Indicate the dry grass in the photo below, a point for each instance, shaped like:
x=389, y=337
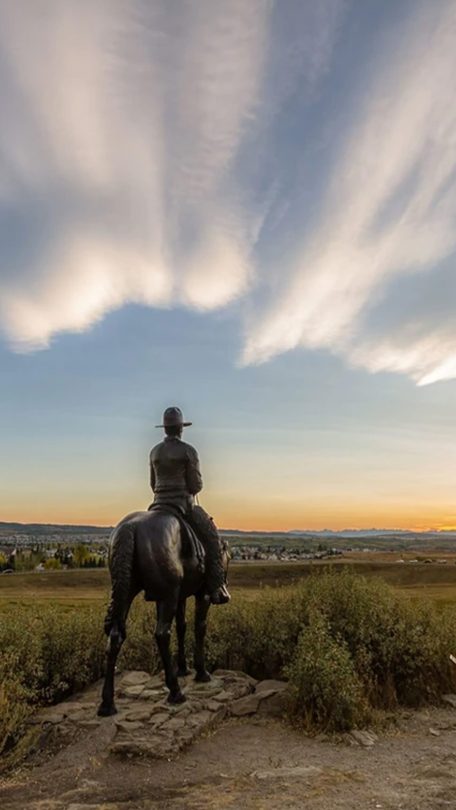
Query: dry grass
x=415, y=580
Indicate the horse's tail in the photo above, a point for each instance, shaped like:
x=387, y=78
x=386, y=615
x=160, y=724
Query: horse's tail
x=121, y=555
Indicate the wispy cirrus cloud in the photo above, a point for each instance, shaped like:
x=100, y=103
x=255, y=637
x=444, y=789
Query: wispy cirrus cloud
x=390, y=212
x=170, y=155
x=124, y=131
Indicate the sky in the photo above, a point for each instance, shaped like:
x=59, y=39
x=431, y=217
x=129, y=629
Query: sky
x=247, y=209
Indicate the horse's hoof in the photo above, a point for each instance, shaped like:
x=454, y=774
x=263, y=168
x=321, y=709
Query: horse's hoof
x=202, y=677
x=182, y=672
x=177, y=697
x=106, y=711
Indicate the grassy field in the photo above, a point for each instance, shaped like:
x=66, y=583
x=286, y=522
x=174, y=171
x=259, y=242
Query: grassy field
x=350, y=645
x=435, y=581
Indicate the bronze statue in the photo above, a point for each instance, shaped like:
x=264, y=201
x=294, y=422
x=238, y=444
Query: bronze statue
x=159, y=553
x=175, y=478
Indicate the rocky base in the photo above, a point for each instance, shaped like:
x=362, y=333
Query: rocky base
x=146, y=725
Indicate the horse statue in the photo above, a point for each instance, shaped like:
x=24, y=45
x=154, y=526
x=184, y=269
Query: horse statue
x=149, y=552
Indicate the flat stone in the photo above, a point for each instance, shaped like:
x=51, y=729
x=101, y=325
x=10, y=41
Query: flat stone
x=229, y=675
x=139, y=715
x=82, y=714
x=52, y=715
x=74, y=707
x=157, y=719
x=195, y=705
x=450, y=699
x=245, y=705
x=266, y=693
x=175, y=723
x=127, y=726
x=435, y=732
x=199, y=719
x=222, y=697
x=271, y=686
x=157, y=748
x=133, y=691
x=154, y=694
x=201, y=689
x=181, y=708
x=89, y=723
x=135, y=678
x=214, y=705
x=365, y=738
x=159, y=708
x=298, y=772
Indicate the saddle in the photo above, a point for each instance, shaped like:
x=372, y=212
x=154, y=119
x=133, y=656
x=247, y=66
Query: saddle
x=191, y=544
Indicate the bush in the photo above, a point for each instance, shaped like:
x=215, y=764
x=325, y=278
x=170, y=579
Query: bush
x=44, y=657
x=325, y=690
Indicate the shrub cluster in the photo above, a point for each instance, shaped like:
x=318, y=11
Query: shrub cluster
x=347, y=645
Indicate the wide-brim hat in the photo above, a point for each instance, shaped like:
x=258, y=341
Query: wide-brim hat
x=173, y=417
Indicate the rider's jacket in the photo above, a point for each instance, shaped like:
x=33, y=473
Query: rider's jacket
x=175, y=474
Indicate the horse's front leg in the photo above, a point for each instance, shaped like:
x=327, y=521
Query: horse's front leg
x=181, y=627
x=201, y=608
x=166, y=611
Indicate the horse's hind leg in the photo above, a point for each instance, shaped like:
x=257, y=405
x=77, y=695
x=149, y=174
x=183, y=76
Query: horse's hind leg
x=116, y=638
x=201, y=608
x=166, y=611
x=181, y=627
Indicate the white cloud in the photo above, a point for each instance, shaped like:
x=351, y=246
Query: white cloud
x=390, y=211
x=122, y=124
x=149, y=151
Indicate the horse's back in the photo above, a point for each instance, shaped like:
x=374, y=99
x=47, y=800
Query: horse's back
x=158, y=566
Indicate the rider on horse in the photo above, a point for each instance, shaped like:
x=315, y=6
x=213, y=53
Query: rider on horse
x=175, y=478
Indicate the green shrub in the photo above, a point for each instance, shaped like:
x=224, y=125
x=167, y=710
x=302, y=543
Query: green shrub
x=45, y=656
x=325, y=690
x=140, y=650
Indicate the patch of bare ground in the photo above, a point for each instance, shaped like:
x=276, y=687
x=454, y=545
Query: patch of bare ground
x=250, y=763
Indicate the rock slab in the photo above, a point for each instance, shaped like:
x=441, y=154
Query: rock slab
x=147, y=725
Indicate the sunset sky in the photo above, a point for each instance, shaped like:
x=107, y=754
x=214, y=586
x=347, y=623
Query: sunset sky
x=246, y=208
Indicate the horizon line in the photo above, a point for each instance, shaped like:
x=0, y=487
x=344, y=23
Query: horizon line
x=326, y=530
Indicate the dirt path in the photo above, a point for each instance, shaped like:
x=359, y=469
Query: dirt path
x=250, y=764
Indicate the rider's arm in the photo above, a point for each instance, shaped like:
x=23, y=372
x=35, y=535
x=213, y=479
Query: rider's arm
x=193, y=472
x=152, y=474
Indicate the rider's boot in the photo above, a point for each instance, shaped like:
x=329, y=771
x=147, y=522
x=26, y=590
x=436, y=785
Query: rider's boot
x=215, y=572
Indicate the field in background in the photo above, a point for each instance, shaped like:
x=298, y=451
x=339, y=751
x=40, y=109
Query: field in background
x=434, y=580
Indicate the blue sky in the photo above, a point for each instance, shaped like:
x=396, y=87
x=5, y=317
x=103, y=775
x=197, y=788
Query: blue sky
x=247, y=209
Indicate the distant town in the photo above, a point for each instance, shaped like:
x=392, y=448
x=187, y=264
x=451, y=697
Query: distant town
x=42, y=547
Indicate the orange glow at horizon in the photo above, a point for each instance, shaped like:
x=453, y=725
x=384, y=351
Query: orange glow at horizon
x=268, y=519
